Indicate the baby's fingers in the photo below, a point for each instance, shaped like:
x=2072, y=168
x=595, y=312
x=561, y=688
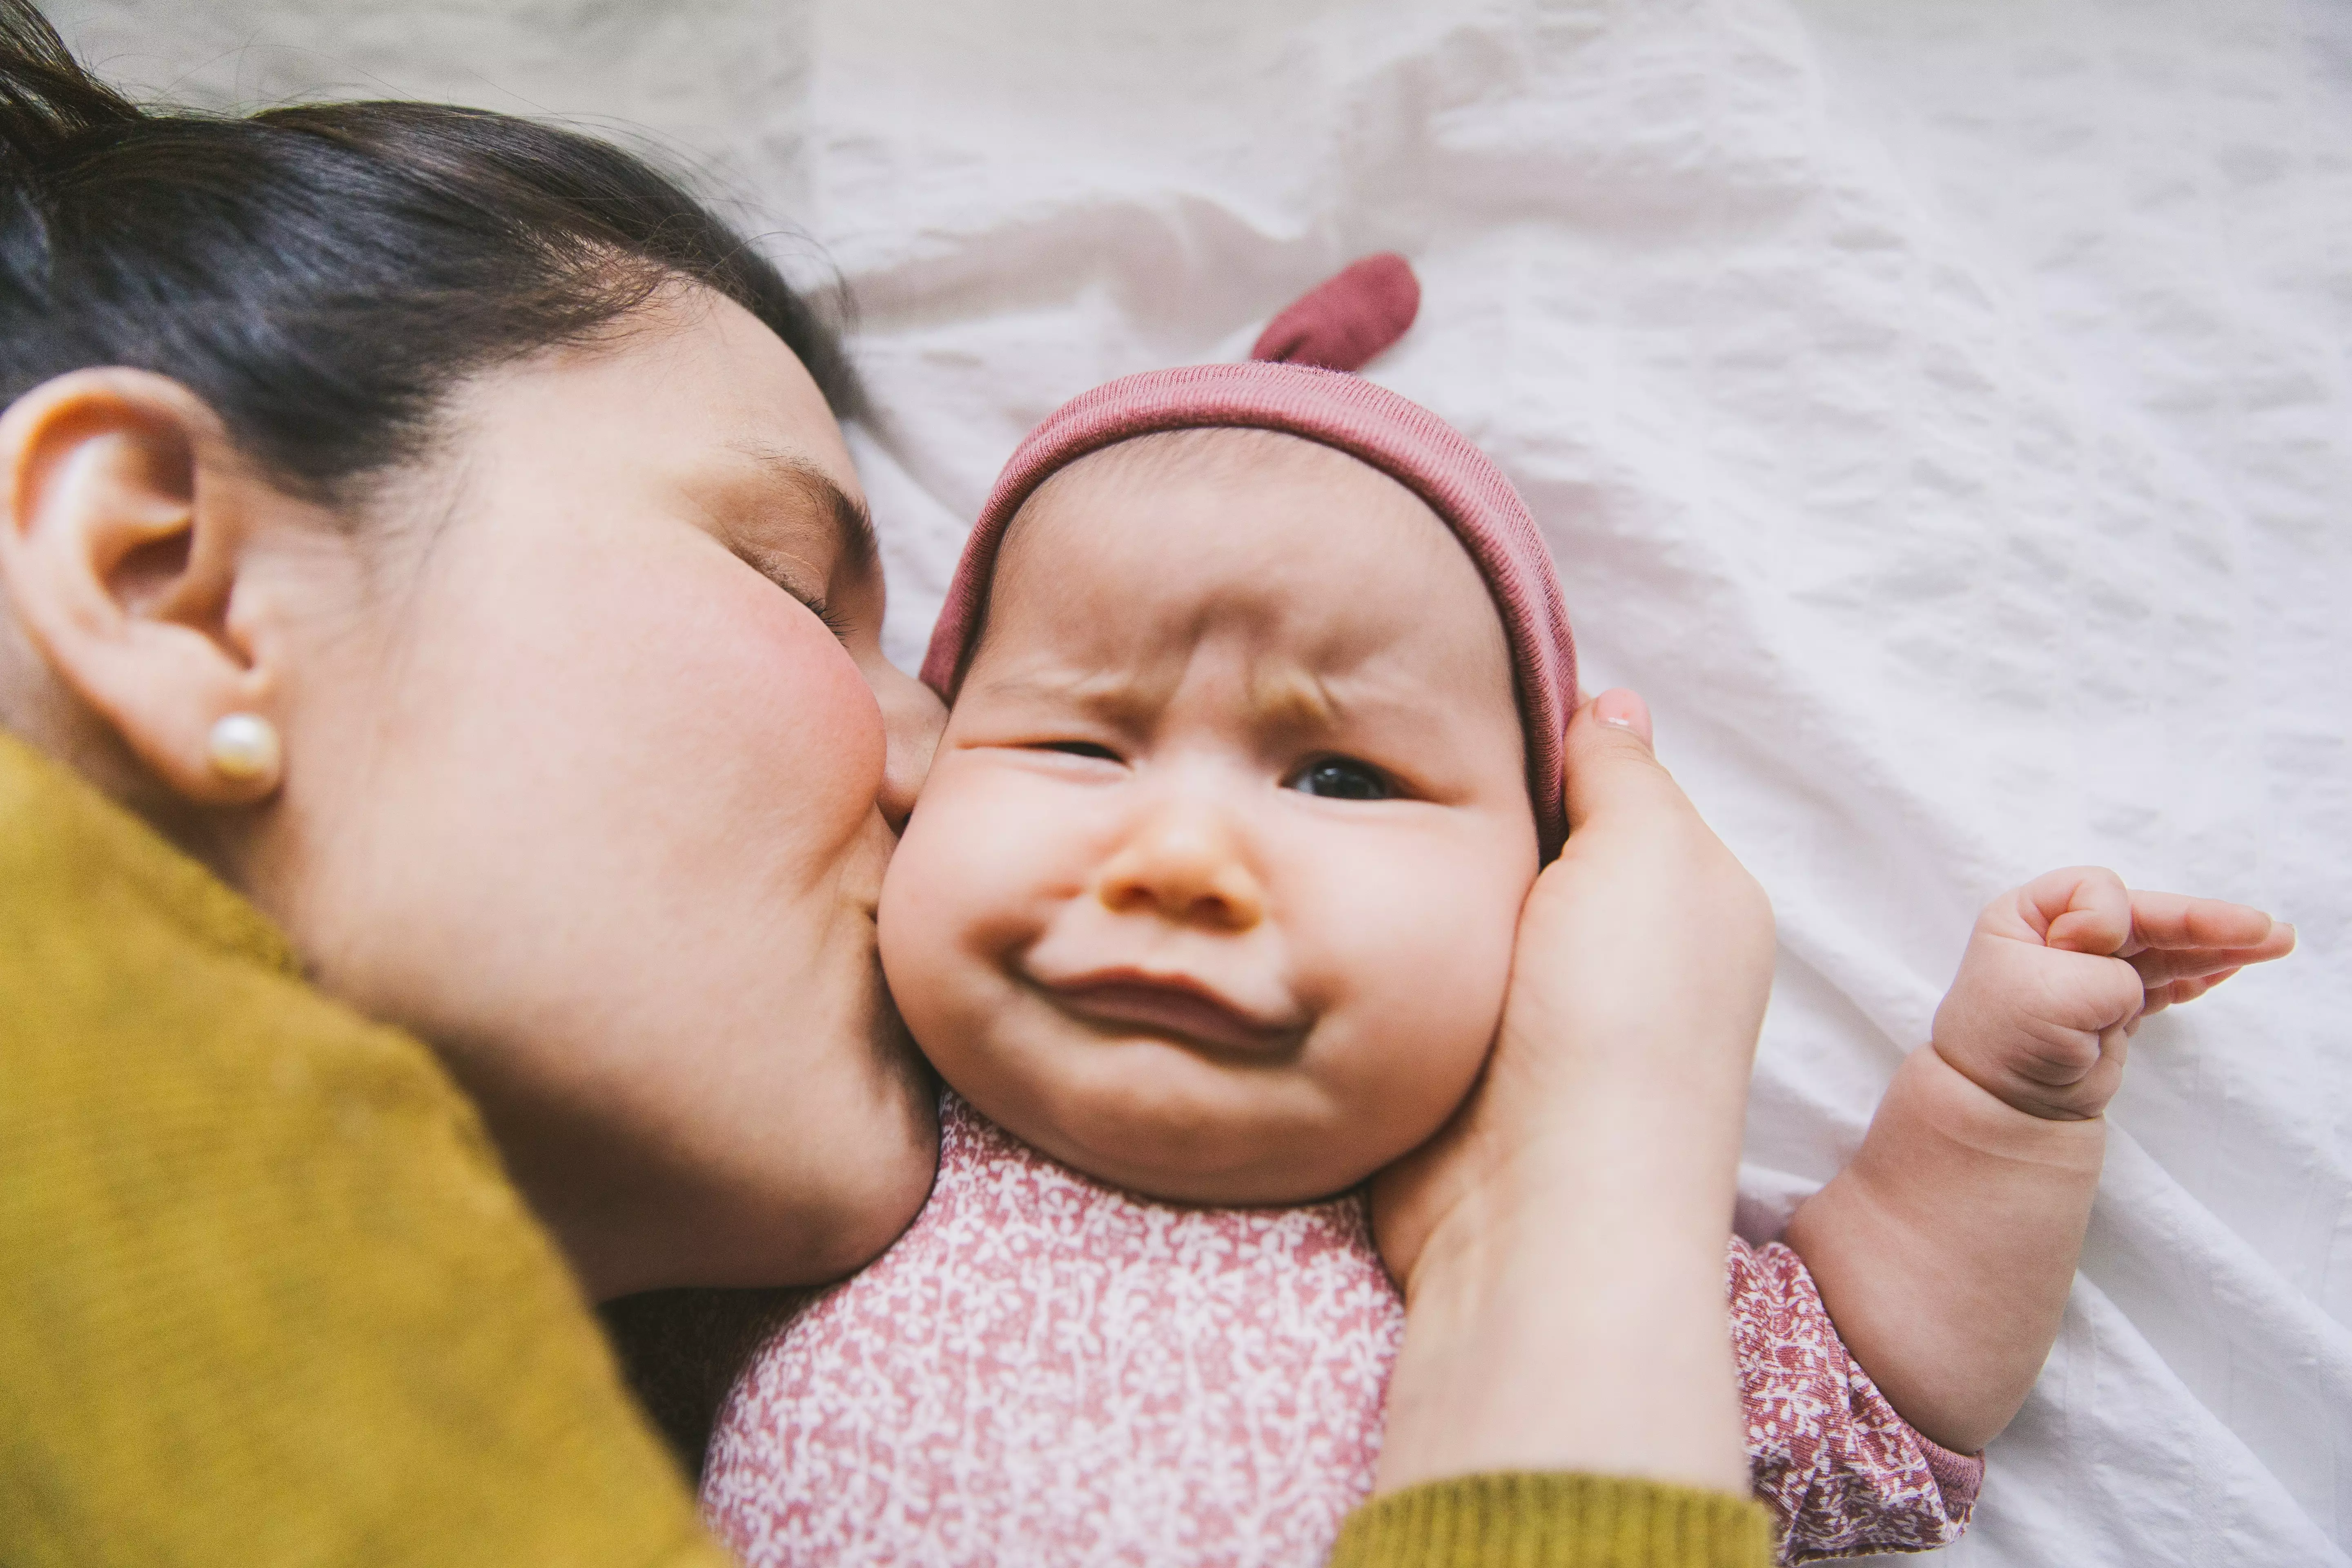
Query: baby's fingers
x=2081, y=908
x=2177, y=920
x=2157, y=965
x=2187, y=989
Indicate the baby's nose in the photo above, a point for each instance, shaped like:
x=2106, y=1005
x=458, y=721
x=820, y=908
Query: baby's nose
x=1187, y=868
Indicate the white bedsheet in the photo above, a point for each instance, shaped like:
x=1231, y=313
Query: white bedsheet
x=1941, y=410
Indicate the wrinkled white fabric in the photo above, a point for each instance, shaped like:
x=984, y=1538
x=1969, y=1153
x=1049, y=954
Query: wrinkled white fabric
x=1942, y=412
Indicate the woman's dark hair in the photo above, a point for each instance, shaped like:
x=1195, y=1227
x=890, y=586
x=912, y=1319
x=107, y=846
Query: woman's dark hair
x=323, y=276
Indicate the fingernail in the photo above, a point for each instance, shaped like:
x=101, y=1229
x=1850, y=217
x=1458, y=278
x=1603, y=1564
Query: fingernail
x=1626, y=709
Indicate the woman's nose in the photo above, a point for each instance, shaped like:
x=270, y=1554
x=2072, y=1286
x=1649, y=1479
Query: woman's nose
x=1186, y=867
x=912, y=718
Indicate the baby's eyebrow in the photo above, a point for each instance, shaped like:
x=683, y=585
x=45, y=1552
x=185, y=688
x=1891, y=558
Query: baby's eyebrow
x=1286, y=696
x=1112, y=697
x=1281, y=697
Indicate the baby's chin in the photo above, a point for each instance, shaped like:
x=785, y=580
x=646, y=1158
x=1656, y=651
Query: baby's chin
x=1162, y=1120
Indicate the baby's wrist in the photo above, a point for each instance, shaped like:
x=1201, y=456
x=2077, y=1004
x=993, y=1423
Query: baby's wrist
x=2014, y=1092
x=1933, y=1091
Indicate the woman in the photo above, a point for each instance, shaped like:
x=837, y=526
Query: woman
x=435, y=529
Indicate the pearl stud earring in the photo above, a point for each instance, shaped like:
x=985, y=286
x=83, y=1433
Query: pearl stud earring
x=244, y=748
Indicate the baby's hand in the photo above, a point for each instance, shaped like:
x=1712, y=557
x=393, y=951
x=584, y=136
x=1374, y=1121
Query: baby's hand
x=2060, y=972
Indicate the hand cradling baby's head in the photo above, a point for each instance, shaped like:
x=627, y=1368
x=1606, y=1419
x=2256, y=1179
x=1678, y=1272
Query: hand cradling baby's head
x=1212, y=890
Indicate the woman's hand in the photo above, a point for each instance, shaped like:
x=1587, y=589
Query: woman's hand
x=1560, y=1243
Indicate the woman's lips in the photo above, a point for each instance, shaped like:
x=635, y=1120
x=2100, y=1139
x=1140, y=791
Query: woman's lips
x=1170, y=1005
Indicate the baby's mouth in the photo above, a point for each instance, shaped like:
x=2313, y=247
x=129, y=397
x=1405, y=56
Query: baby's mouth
x=1170, y=1004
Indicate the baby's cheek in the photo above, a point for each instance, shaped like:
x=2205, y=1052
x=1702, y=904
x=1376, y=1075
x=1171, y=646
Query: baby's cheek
x=1428, y=957
x=1423, y=1043
x=958, y=904
x=923, y=922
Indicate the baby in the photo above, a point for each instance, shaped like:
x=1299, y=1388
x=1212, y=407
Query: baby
x=1258, y=675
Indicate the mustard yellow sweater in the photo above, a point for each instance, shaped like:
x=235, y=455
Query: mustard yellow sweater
x=265, y=1297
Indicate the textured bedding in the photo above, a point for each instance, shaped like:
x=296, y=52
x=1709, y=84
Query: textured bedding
x=1942, y=411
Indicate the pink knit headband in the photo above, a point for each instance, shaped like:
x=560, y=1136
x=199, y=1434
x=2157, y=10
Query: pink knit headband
x=1398, y=438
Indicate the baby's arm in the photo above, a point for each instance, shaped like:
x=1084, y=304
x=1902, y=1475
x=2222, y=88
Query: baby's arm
x=1944, y=1251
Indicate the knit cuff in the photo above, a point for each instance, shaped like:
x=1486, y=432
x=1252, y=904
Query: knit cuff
x=1528, y=1519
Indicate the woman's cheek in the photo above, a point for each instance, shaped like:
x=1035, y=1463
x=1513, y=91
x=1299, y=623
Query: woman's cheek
x=822, y=723
x=700, y=672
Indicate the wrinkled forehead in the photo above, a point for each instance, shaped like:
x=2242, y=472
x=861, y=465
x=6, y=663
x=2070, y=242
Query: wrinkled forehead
x=1327, y=581
x=1190, y=528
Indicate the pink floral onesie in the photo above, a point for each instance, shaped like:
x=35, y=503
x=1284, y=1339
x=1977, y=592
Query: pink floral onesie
x=1047, y=1370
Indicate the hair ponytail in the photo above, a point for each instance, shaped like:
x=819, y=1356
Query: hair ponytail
x=324, y=276
x=47, y=101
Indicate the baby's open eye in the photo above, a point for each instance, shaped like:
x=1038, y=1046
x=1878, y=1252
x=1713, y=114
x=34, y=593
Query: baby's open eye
x=1343, y=778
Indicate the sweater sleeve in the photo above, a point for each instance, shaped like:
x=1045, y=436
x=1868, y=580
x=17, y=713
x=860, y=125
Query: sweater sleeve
x=1538, y=1520
x=1843, y=1474
x=265, y=1297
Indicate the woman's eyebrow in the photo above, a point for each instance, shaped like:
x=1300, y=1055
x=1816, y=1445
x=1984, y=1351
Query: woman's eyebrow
x=815, y=488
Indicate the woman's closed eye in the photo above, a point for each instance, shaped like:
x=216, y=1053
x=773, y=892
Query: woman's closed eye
x=1343, y=778
x=835, y=621
x=788, y=573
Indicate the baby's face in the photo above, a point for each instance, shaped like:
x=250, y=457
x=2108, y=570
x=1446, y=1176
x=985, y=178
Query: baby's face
x=1210, y=891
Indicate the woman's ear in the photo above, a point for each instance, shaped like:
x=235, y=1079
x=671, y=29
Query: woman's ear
x=124, y=516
